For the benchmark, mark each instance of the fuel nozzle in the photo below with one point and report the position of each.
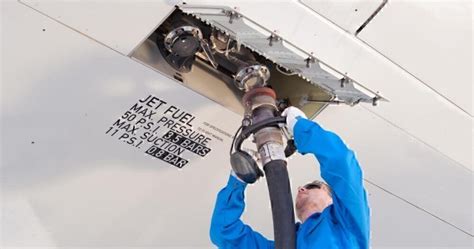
(252, 76)
(265, 120)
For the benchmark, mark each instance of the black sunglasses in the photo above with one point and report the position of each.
(312, 186)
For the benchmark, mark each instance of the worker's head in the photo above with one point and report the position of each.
(312, 198)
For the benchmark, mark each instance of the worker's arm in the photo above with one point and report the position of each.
(227, 230)
(340, 169)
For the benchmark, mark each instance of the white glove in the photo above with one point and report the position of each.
(291, 114)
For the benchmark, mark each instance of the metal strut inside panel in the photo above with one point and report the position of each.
(276, 49)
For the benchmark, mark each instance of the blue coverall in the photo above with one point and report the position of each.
(344, 224)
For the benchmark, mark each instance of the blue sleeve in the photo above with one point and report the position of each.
(340, 169)
(227, 230)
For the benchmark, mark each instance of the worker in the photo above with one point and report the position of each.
(334, 214)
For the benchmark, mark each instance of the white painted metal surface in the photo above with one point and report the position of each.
(348, 14)
(119, 25)
(432, 41)
(77, 187)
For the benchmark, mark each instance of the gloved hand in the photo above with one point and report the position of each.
(292, 115)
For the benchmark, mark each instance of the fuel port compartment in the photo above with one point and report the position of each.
(215, 50)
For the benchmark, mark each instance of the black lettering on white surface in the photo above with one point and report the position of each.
(186, 143)
(166, 157)
(163, 130)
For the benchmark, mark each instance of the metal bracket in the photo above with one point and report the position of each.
(273, 38)
(310, 60)
(376, 99)
(231, 14)
(345, 81)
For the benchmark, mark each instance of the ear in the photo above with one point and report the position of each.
(328, 190)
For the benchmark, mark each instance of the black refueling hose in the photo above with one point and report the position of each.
(263, 119)
(282, 204)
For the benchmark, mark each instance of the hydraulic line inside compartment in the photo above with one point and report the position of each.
(218, 83)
